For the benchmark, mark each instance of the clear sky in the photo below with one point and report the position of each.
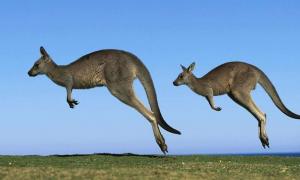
(34, 115)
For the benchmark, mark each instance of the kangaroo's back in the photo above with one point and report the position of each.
(227, 71)
(94, 69)
(108, 56)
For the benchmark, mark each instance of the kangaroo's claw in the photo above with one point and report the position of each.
(218, 108)
(265, 142)
(164, 149)
(73, 103)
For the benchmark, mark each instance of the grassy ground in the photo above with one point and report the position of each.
(149, 167)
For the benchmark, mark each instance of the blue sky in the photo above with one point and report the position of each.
(34, 115)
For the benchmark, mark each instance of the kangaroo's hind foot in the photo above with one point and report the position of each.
(262, 132)
(264, 141)
(159, 138)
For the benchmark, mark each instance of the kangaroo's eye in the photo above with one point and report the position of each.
(36, 65)
(181, 76)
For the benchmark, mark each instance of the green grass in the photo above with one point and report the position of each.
(149, 167)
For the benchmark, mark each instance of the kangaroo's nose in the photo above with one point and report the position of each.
(175, 84)
(29, 74)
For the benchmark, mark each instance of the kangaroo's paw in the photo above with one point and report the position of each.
(164, 148)
(73, 103)
(162, 145)
(217, 108)
(265, 141)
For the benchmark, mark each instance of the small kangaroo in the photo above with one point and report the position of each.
(237, 80)
(115, 69)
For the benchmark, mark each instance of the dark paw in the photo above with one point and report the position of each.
(73, 103)
(265, 142)
(218, 109)
(164, 148)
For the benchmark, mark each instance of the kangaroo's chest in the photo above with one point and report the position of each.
(220, 88)
(90, 77)
(220, 84)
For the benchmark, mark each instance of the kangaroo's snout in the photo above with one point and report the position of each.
(31, 74)
(175, 83)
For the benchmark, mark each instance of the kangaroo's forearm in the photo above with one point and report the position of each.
(69, 95)
(72, 102)
(64, 78)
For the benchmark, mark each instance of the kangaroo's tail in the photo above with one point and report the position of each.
(144, 76)
(265, 82)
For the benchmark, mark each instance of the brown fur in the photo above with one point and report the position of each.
(237, 80)
(114, 69)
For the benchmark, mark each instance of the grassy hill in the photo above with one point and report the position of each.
(130, 166)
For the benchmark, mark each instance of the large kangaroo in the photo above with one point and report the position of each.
(114, 69)
(237, 79)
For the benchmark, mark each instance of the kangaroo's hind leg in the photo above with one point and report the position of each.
(245, 100)
(240, 93)
(125, 93)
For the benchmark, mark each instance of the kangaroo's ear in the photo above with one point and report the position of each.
(191, 67)
(43, 52)
(182, 67)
